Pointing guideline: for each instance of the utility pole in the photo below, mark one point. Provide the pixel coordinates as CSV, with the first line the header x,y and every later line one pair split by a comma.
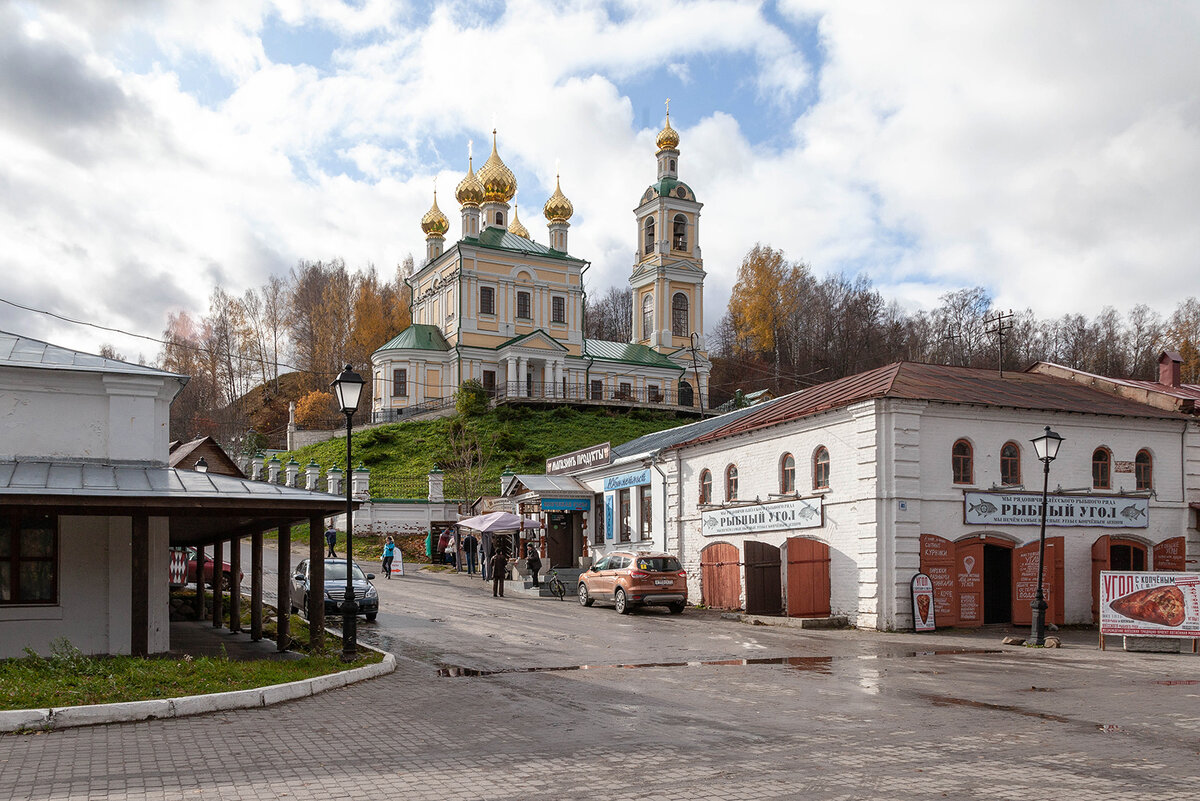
x,y
1000,325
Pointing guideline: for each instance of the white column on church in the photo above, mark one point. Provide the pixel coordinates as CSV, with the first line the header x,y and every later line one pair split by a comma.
x,y
522,370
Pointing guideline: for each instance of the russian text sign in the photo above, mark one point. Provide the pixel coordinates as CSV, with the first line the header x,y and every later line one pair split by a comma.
x,y
1025,509
756,517
1150,604
594,456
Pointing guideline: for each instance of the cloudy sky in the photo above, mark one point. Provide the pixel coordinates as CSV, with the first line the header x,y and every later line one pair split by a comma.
x,y
150,149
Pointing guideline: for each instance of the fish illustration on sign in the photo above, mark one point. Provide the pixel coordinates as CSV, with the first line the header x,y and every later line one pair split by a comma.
x,y
807,513
983,507
1132,512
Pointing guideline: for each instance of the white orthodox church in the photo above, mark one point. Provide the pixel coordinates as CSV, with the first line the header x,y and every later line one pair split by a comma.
x,y
506,311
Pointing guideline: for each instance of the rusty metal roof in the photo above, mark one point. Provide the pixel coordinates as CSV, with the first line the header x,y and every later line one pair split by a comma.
x,y
940,384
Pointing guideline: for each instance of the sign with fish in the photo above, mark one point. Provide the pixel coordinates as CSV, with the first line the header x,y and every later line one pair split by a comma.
x,y
1150,604
755,517
1025,509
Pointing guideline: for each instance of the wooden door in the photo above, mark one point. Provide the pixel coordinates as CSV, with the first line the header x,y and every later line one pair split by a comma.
x,y
1100,554
806,577
968,567
1169,554
764,591
937,562
720,576
1025,576
559,541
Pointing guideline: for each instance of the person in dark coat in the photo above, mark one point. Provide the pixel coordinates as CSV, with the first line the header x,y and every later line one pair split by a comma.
x,y
470,546
331,540
499,567
533,562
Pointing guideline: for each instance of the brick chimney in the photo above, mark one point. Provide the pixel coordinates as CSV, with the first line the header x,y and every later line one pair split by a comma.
x,y
1170,363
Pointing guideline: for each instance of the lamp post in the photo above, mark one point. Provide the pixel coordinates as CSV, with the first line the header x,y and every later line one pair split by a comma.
x,y
348,387
1047,448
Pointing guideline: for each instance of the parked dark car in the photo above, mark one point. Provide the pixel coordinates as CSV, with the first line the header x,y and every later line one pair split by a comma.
x,y
335,588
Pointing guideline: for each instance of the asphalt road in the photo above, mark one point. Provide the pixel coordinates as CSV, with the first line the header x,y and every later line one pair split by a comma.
x,y
490,701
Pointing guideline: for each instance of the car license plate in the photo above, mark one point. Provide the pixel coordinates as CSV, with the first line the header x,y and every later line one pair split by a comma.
x,y
664,581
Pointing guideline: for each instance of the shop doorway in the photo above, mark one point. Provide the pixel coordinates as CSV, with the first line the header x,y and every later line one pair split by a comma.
x,y
997,584
720,578
806,577
1113,553
764,592
559,540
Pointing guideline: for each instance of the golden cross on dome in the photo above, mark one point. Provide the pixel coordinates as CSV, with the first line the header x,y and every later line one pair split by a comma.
x,y
668,107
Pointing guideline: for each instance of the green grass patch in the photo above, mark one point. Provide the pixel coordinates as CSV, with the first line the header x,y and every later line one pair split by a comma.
x,y
69,678
523,438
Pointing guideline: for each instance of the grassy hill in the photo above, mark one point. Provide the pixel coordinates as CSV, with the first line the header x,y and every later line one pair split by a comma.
x,y
520,437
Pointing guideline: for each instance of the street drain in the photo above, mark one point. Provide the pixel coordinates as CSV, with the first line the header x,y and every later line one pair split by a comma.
x,y
809,664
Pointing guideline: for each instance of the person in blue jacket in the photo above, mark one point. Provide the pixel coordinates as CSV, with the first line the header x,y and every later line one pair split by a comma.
x,y
389,553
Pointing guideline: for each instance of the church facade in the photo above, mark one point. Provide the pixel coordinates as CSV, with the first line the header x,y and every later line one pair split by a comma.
x,y
499,308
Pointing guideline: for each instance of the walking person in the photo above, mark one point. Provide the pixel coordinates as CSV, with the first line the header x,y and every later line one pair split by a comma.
x,y
533,562
389,553
499,568
331,540
470,545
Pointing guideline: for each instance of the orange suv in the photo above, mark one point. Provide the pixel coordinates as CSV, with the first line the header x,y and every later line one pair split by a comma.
x,y
628,579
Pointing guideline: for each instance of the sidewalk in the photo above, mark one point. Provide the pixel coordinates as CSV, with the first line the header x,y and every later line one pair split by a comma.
x,y
200,638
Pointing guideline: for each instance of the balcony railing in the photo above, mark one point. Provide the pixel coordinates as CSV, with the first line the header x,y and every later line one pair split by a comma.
x,y
550,392
396,415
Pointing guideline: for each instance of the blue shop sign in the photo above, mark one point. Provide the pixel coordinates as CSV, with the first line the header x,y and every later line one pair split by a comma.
x,y
608,516
627,480
566,504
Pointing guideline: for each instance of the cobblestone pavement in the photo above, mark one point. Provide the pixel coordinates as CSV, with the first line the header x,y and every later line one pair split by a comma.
x,y
787,714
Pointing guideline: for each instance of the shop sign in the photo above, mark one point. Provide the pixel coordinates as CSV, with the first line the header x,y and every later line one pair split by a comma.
x,y
1150,604
756,517
1025,509
608,515
922,603
626,480
566,504
595,456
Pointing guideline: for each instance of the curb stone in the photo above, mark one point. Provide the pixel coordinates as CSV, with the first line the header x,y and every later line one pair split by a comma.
x,y
18,720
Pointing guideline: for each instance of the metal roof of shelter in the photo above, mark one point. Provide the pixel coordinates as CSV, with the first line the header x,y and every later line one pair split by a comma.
x,y
201,506
22,351
542,485
943,384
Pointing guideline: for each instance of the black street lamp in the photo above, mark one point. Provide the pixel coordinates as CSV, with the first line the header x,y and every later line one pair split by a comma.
x,y
1047,448
348,387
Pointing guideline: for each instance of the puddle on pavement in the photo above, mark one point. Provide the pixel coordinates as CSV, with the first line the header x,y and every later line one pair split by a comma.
x,y
808,664
946,700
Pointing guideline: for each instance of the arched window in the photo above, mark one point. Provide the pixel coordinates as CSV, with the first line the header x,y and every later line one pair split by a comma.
x,y
499,218
647,315
787,473
1101,469
731,483
685,394
1010,464
672,162
821,468
962,463
679,315
649,246
705,486
679,233
1143,470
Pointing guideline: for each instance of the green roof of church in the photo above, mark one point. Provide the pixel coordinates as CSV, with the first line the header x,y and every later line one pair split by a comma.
x,y
500,239
418,337
667,187
628,352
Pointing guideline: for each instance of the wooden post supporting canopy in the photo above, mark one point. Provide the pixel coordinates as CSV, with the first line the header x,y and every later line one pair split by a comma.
x,y
235,584
199,582
316,572
283,600
139,599
256,585
217,584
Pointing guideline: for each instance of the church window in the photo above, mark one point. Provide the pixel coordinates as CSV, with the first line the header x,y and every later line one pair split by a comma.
x,y
679,233
597,389
558,309
524,306
400,383
499,218
487,300
679,315
649,246
672,163
647,316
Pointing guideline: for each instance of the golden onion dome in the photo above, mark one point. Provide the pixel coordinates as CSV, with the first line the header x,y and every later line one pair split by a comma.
x,y
558,208
499,184
515,227
434,223
470,190
668,137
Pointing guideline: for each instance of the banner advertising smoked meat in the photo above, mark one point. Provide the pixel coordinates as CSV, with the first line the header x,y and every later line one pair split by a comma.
x,y
1150,604
922,601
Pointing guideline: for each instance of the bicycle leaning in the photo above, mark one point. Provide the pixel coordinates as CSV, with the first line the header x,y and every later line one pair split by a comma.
x,y
555,584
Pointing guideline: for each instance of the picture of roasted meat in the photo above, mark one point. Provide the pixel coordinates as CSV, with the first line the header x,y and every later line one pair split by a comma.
x,y
923,607
1162,605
